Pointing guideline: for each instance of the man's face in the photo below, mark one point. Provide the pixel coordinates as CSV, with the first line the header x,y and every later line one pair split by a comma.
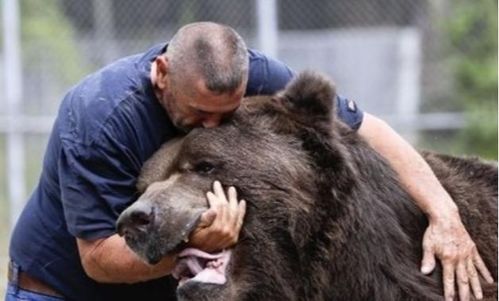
x,y
188,101
190,104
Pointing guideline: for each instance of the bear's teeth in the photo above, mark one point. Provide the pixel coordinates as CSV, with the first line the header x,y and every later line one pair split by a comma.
x,y
186,240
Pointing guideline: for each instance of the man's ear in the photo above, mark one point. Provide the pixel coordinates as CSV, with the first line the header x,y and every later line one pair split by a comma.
x,y
310,94
162,65
156,168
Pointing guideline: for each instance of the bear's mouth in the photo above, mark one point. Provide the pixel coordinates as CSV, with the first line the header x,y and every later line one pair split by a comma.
x,y
196,265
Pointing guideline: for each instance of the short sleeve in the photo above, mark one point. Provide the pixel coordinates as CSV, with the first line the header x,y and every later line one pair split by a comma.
x,y
349,112
266,75
97,184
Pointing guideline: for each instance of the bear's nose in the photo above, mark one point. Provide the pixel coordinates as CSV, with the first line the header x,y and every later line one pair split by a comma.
x,y
135,219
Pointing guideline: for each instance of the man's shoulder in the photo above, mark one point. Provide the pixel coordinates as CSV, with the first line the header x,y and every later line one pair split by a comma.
x,y
117,80
266,74
112,81
109,93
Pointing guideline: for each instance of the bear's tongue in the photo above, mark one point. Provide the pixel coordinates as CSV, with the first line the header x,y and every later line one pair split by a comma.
x,y
194,264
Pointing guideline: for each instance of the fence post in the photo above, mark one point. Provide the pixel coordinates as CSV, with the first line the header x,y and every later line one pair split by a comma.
x,y
267,26
409,81
13,96
103,14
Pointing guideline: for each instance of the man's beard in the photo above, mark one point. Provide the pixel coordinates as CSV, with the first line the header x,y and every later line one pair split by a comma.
x,y
183,129
177,122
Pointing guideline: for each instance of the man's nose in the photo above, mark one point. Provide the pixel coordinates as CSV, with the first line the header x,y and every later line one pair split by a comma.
x,y
135,219
212,121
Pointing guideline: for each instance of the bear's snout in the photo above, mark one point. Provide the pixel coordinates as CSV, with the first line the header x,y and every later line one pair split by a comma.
x,y
135,219
159,224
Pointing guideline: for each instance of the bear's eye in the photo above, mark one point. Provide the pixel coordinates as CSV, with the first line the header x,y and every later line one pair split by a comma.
x,y
204,167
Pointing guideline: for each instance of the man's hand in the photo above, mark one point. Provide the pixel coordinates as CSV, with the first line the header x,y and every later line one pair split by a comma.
x,y
451,243
220,225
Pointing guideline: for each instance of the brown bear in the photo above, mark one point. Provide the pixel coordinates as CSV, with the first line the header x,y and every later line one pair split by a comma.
x,y
327,218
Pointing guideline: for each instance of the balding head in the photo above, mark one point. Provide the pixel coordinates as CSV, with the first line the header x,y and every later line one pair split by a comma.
x,y
203,75
212,51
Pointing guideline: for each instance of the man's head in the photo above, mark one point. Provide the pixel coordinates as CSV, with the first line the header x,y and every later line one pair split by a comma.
x,y
202,76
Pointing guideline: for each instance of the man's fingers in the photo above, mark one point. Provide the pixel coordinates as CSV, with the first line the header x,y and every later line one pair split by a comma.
x,y
448,281
240,218
474,280
232,193
215,203
232,213
222,222
481,267
463,283
207,218
220,207
428,262
219,191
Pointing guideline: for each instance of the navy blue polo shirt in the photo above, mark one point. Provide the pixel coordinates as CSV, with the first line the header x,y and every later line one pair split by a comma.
x,y
106,128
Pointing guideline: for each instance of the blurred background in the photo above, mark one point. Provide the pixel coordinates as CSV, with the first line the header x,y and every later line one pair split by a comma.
x,y
429,68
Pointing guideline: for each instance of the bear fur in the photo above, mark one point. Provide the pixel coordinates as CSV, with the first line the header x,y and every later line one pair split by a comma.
x,y
327,218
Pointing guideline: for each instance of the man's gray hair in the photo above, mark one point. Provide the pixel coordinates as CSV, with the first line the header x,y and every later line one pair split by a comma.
x,y
215,52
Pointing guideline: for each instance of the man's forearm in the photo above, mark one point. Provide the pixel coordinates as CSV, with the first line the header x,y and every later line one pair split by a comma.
x,y
110,260
414,173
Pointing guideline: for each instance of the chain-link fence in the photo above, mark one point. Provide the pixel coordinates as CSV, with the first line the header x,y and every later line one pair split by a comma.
x,y
396,58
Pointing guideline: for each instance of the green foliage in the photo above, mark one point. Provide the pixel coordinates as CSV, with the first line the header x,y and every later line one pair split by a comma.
x,y
472,30
46,33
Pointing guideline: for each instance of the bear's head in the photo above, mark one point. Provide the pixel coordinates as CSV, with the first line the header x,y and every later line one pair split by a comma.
x,y
280,153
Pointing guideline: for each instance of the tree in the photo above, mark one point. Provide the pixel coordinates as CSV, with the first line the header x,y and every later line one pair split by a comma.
x,y
472,30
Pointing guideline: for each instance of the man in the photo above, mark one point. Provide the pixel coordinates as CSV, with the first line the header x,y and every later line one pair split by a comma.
x,y
65,243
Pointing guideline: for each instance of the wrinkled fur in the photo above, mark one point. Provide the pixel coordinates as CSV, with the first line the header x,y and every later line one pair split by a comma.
x,y
327,218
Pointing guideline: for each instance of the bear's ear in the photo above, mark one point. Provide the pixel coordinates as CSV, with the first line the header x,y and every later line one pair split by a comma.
x,y
155,169
310,94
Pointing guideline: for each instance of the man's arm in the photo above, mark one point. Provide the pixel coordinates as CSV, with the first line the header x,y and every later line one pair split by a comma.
x,y
446,236
109,260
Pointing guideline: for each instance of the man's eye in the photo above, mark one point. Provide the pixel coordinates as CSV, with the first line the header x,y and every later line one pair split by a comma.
x,y
204,167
